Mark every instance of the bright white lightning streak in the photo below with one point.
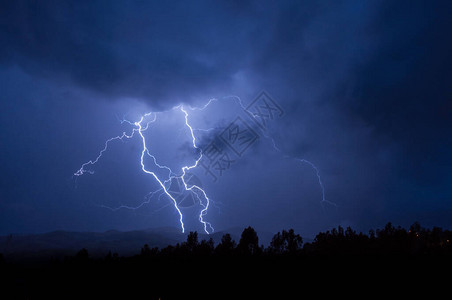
(187, 168)
(145, 150)
(193, 188)
(82, 170)
(172, 175)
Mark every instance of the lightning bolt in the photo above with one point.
(317, 172)
(200, 194)
(146, 151)
(188, 168)
(302, 160)
(196, 190)
(148, 198)
(305, 161)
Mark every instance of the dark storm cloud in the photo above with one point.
(145, 50)
(404, 90)
(402, 93)
(369, 82)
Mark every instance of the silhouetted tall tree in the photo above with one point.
(146, 251)
(192, 241)
(205, 248)
(226, 246)
(277, 244)
(249, 242)
(82, 255)
(286, 242)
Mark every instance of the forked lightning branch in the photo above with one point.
(139, 128)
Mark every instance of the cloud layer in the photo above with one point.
(365, 87)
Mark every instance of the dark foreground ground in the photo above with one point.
(230, 278)
(387, 263)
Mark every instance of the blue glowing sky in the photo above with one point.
(363, 86)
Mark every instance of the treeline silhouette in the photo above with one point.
(390, 240)
(245, 269)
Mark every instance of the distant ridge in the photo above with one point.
(58, 244)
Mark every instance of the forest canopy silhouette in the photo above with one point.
(172, 272)
(338, 241)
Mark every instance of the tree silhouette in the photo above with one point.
(108, 257)
(205, 248)
(293, 242)
(249, 242)
(146, 251)
(112, 257)
(192, 241)
(286, 242)
(226, 246)
(82, 255)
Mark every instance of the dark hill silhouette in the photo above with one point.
(194, 266)
(59, 244)
(63, 243)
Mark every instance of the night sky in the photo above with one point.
(363, 88)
